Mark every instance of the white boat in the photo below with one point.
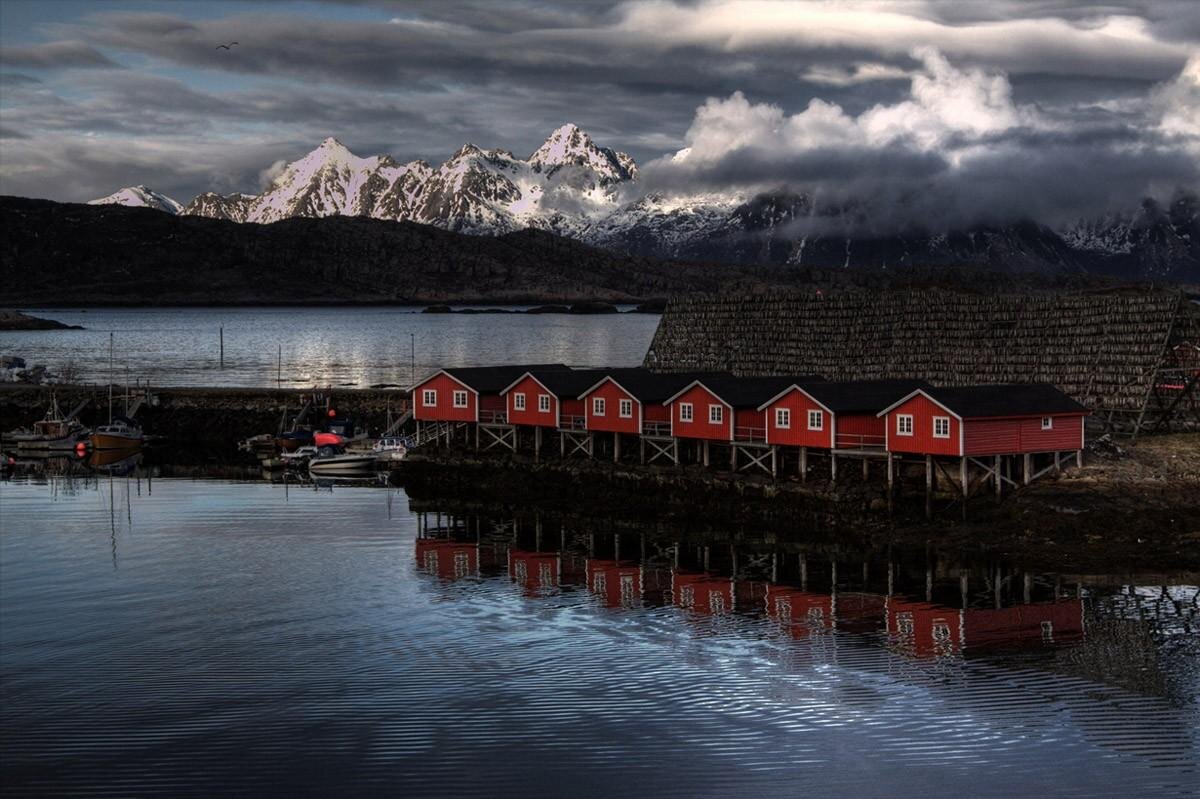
(389, 449)
(330, 461)
(299, 455)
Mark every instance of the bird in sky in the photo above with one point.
(225, 46)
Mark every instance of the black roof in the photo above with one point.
(1021, 399)
(863, 396)
(750, 392)
(567, 383)
(647, 386)
(494, 379)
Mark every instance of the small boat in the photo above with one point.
(293, 440)
(298, 456)
(54, 433)
(263, 444)
(333, 461)
(120, 433)
(389, 449)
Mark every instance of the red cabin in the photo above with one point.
(451, 560)
(984, 420)
(549, 397)
(632, 401)
(618, 585)
(469, 394)
(702, 592)
(825, 415)
(534, 571)
(725, 408)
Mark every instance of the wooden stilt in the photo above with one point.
(804, 463)
(537, 444)
(928, 486)
(774, 460)
(705, 557)
(1078, 459)
(996, 476)
(832, 467)
(891, 481)
(616, 447)
(642, 449)
(866, 469)
(966, 488)
(1057, 464)
(706, 453)
(1026, 468)
(803, 572)
(733, 458)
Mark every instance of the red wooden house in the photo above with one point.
(725, 408)
(984, 420)
(549, 397)
(825, 415)
(534, 571)
(925, 629)
(632, 401)
(702, 592)
(468, 394)
(448, 559)
(618, 585)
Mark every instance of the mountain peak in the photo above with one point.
(140, 196)
(564, 145)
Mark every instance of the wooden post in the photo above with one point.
(962, 476)
(706, 452)
(1028, 588)
(1057, 464)
(962, 587)
(803, 572)
(733, 458)
(537, 444)
(774, 460)
(774, 567)
(891, 479)
(616, 447)
(832, 467)
(476, 437)
(562, 444)
(996, 476)
(642, 449)
(928, 486)
(1078, 459)
(706, 557)
(804, 463)
(1027, 468)
(866, 469)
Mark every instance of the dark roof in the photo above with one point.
(494, 379)
(567, 383)
(647, 386)
(1023, 399)
(751, 392)
(863, 396)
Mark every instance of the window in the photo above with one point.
(941, 427)
(460, 399)
(904, 424)
(1047, 423)
(429, 397)
(625, 408)
(685, 412)
(597, 406)
(544, 403)
(716, 414)
(519, 401)
(783, 418)
(816, 420)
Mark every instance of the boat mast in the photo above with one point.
(110, 375)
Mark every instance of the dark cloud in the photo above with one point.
(9, 133)
(55, 55)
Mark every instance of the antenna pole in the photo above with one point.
(412, 361)
(110, 375)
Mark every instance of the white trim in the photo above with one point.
(686, 389)
(820, 428)
(599, 407)
(779, 426)
(425, 392)
(519, 401)
(1047, 422)
(454, 399)
(789, 390)
(547, 398)
(621, 408)
(720, 408)
(691, 412)
(937, 419)
(447, 374)
(514, 383)
(911, 425)
(922, 392)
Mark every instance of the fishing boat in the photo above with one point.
(121, 432)
(298, 456)
(54, 433)
(334, 461)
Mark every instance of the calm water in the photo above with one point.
(325, 346)
(203, 636)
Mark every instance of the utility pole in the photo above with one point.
(412, 361)
(222, 334)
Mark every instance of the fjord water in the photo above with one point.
(339, 346)
(201, 636)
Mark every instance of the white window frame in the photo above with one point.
(901, 430)
(783, 418)
(625, 408)
(687, 412)
(816, 415)
(429, 397)
(543, 403)
(1047, 422)
(519, 400)
(459, 394)
(598, 406)
(716, 414)
(937, 420)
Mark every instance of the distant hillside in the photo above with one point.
(54, 253)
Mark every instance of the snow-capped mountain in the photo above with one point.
(572, 186)
(140, 196)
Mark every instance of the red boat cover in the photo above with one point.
(327, 439)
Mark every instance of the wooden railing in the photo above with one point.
(750, 434)
(656, 428)
(859, 441)
(573, 423)
(493, 417)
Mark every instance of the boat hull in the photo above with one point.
(343, 465)
(61, 444)
(115, 440)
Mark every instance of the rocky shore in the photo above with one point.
(15, 320)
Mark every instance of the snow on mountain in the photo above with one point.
(140, 196)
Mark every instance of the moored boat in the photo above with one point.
(389, 449)
(54, 433)
(121, 433)
(331, 461)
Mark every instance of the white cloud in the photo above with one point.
(1179, 102)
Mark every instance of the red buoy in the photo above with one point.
(332, 413)
(81, 448)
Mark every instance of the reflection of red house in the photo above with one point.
(802, 611)
(617, 584)
(924, 629)
(702, 592)
(534, 571)
(451, 560)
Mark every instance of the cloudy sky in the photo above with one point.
(998, 109)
